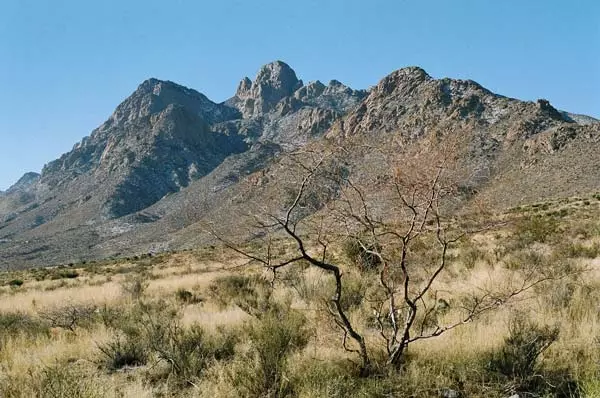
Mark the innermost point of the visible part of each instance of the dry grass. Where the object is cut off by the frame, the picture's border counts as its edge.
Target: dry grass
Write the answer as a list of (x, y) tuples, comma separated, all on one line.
[(485, 261)]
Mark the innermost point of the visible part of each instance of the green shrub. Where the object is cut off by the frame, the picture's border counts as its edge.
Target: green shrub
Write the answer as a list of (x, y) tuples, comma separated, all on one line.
[(189, 351), (64, 274), (154, 328), (187, 297), (15, 282), (470, 254), (263, 371), (309, 289), (354, 289), (361, 255), (61, 381), (69, 317), (578, 250), (252, 294), (535, 229), (526, 341), (123, 351), (336, 379), (526, 259), (16, 323), (56, 381)]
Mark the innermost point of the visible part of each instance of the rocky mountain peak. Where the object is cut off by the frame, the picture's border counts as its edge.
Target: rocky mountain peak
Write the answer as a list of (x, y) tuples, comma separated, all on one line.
[(273, 82), (244, 87), (154, 95), (24, 182), (547, 109), (404, 80), (279, 77), (310, 91)]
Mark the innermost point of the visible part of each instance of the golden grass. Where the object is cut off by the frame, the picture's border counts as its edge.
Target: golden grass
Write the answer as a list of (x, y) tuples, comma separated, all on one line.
[(31, 301), (579, 320)]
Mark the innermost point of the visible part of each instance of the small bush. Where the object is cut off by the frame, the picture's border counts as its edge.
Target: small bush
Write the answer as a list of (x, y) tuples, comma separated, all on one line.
[(69, 317), (470, 254), (362, 255), (60, 381), (134, 286), (336, 379), (577, 250), (252, 294), (187, 297), (535, 229), (15, 283), (64, 274), (526, 341), (153, 329), (15, 323), (308, 282), (263, 371), (188, 351), (56, 381), (123, 351)]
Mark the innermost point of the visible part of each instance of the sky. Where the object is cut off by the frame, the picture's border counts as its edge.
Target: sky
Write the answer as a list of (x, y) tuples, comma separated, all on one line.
[(66, 64)]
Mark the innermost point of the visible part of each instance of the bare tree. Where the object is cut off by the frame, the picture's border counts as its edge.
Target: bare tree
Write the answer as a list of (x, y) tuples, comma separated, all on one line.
[(68, 317), (395, 217)]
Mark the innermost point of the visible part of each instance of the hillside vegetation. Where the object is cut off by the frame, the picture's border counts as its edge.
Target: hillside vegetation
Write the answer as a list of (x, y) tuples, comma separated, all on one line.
[(211, 323)]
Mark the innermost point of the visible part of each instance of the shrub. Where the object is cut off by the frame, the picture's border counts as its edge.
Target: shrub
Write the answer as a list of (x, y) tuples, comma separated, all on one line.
[(154, 328), (336, 379), (15, 283), (535, 229), (187, 297), (123, 351), (134, 286), (64, 274), (526, 341), (354, 290), (252, 294), (188, 351), (577, 250), (470, 254), (263, 371), (56, 381), (361, 255), (69, 317), (308, 283), (61, 381), (15, 323)]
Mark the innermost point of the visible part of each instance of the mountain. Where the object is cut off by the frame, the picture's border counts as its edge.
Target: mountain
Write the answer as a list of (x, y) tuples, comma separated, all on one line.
[(169, 159), (580, 119)]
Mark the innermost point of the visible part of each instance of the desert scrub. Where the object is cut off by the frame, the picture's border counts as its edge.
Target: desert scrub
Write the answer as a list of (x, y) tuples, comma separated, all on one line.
[(55, 381), (518, 361), (15, 323), (153, 330), (134, 285), (69, 317), (252, 294), (579, 250), (361, 255), (263, 370), (537, 228), (14, 283), (123, 351)]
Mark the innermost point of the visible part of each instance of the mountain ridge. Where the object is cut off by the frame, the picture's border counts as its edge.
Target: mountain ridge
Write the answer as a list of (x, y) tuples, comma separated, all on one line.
[(169, 158)]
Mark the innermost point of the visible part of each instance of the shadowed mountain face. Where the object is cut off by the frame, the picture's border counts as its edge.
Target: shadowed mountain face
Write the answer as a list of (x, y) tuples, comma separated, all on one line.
[(169, 158)]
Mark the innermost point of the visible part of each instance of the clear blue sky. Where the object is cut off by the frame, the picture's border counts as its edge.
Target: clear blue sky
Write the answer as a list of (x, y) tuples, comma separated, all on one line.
[(66, 64)]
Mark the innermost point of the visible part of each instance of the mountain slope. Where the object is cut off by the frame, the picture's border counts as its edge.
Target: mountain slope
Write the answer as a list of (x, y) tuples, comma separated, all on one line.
[(169, 160)]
